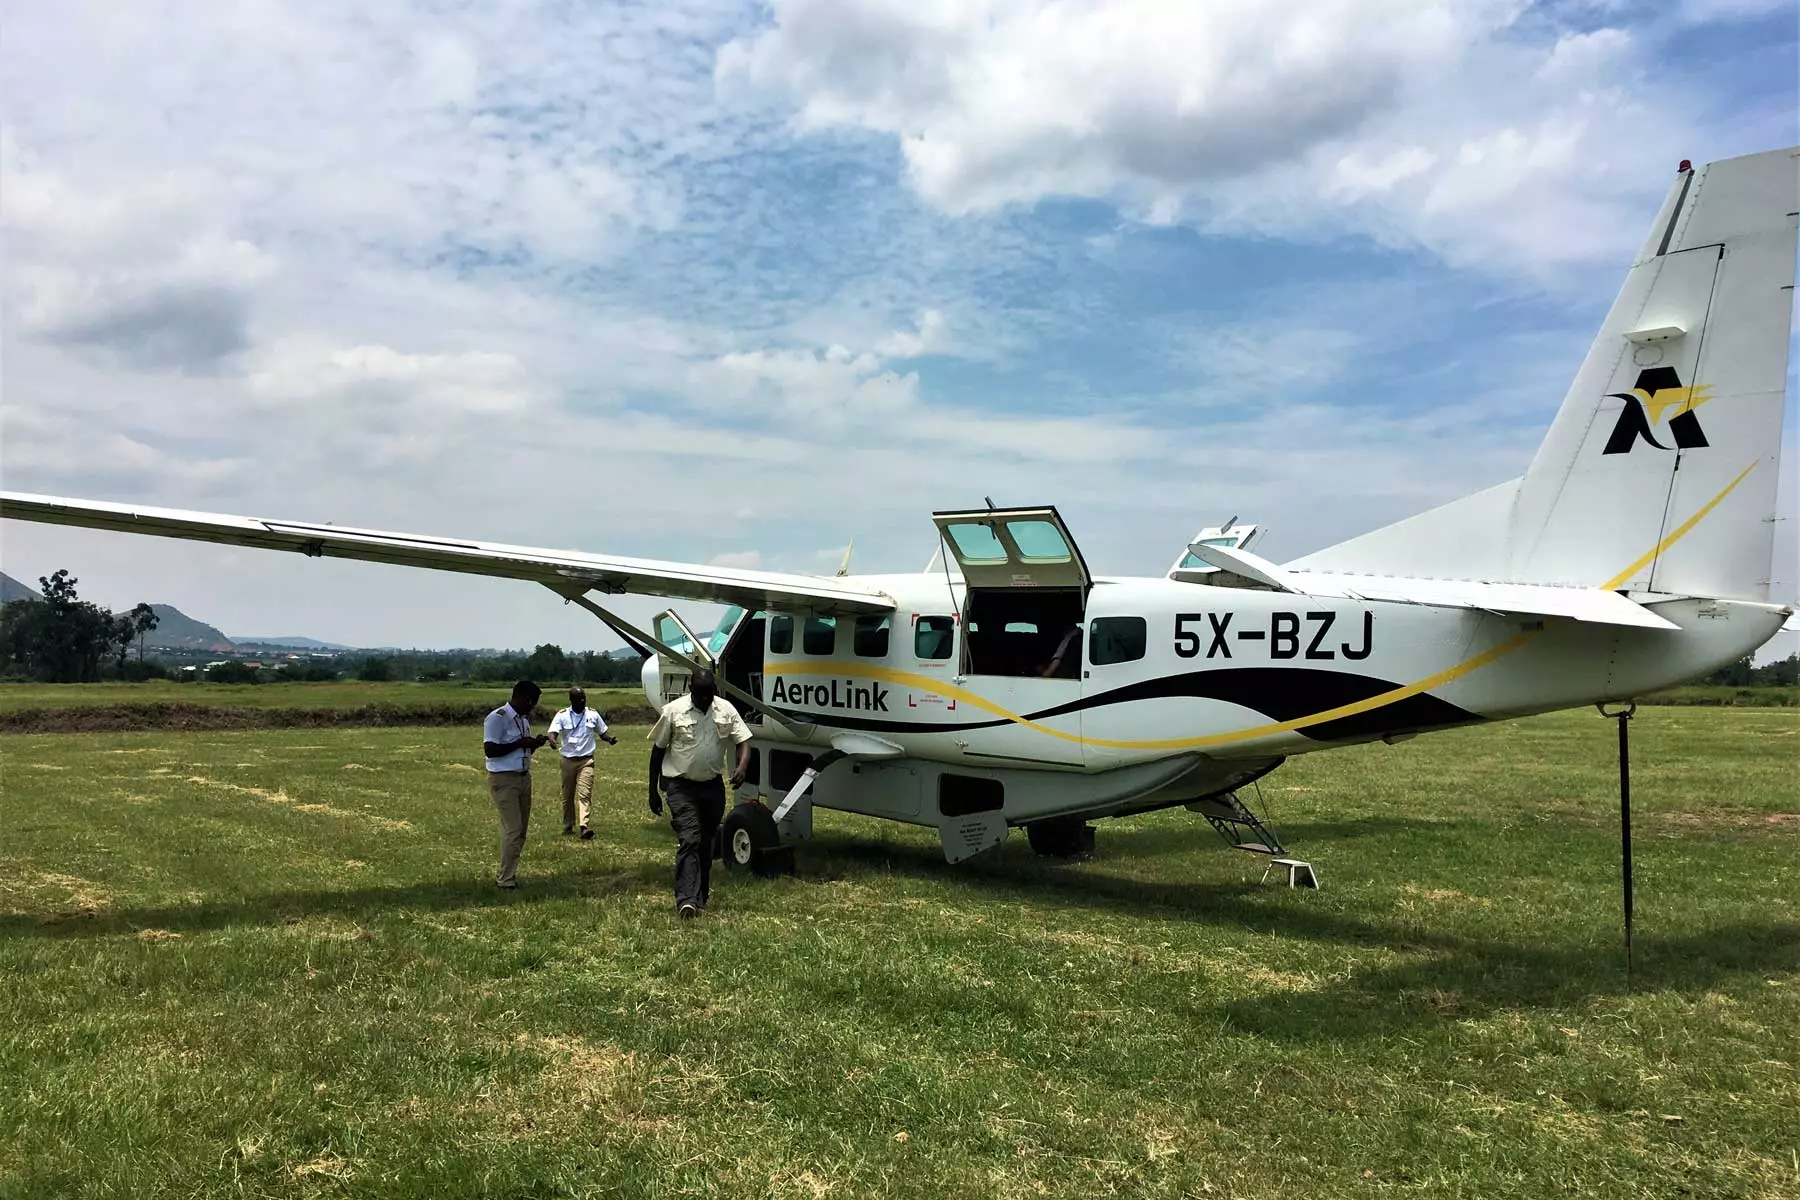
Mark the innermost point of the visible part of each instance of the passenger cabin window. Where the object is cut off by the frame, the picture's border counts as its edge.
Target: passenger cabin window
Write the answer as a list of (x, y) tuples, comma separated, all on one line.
[(781, 635), (819, 635), (933, 637), (1117, 640), (870, 639)]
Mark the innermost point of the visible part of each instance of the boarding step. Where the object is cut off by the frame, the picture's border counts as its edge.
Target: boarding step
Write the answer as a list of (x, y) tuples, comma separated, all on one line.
[(1240, 827)]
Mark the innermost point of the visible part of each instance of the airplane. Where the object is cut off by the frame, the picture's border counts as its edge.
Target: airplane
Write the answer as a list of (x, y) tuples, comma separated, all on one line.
[(1008, 686)]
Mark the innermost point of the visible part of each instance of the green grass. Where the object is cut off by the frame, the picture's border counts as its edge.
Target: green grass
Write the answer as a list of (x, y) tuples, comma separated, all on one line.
[(15, 697), (272, 964), (1720, 695)]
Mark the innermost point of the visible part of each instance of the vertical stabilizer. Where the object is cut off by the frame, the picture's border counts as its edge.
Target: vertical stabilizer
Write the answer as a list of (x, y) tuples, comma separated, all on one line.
[(1659, 472)]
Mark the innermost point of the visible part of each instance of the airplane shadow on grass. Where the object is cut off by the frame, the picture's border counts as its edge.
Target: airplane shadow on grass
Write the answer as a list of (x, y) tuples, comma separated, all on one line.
[(1444, 975)]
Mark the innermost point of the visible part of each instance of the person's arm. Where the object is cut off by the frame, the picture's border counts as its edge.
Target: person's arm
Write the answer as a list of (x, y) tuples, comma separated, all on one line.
[(659, 746), (740, 733), (600, 731), (494, 749), (656, 780), (555, 732)]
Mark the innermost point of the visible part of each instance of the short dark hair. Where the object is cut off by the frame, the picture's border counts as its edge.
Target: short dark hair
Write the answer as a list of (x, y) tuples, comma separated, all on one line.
[(704, 679), (527, 688)]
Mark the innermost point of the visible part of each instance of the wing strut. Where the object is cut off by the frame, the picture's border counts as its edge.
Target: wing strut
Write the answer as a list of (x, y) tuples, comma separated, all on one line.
[(576, 594)]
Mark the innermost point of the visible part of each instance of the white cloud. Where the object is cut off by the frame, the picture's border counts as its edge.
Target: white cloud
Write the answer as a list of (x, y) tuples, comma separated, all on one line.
[(428, 386), (1451, 126), (930, 337)]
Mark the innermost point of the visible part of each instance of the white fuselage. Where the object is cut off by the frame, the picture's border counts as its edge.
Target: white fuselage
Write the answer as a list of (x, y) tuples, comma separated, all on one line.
[(1223, 684)]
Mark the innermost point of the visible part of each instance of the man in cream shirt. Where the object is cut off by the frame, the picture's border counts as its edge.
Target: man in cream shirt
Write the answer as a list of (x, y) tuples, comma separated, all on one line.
[(574, 732), (686, 756)]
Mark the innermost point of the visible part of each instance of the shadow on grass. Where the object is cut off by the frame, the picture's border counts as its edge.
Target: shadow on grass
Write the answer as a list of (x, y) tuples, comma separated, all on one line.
[(276, 908), (1447, 974), (1152, 841)]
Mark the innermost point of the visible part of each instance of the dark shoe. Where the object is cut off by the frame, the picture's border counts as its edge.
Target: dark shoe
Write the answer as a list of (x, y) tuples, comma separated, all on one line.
[(507, 884), (587, 835), (687, 912), (568, 830)]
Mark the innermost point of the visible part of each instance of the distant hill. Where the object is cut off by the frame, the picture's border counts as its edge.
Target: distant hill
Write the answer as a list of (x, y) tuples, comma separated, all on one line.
[(290, 643), (175, 630), (11, 590)]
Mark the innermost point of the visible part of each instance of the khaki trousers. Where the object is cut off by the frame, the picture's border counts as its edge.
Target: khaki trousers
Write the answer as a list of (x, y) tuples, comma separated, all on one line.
[(512, 797), (578, 789)]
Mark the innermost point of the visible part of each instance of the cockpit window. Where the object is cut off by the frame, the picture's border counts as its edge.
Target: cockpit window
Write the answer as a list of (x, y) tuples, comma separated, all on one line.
[(670, 633)]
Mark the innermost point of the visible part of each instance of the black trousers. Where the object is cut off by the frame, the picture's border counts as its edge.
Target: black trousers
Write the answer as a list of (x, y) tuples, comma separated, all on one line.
[(696, 806)]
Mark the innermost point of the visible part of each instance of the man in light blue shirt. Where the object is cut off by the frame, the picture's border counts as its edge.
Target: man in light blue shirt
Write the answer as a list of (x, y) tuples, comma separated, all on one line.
[(507, 742)]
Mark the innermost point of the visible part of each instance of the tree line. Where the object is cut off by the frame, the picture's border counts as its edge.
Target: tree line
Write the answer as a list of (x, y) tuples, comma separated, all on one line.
[(62, 638)]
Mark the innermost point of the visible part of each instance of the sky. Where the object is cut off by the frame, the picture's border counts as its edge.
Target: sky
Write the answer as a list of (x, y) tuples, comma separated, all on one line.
[(741, 283)]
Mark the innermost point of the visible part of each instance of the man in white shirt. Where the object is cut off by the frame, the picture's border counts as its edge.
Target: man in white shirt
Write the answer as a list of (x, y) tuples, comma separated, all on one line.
[(573, 732), (507, 742), (686, 756)]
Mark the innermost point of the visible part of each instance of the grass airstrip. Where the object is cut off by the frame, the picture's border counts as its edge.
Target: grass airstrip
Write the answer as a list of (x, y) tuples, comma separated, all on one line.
[(271, 962)]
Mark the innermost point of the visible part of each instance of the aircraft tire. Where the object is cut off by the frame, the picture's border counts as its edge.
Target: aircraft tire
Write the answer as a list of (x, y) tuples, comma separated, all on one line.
[(1062, 837), (746, 836)]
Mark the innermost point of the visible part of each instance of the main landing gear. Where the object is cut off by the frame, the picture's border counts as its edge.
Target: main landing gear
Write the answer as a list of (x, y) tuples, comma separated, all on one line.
[(749, 841)]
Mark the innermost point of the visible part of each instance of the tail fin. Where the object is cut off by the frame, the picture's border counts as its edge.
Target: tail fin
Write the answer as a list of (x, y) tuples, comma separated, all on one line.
[(1659, 472)]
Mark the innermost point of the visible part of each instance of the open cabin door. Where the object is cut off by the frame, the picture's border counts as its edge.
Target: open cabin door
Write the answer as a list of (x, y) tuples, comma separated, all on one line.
[(672, 632), (1024, 598)]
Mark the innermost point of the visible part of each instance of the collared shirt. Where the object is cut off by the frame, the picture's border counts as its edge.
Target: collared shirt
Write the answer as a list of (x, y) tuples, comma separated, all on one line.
[(695, 739), (504, 725), (579, 731)]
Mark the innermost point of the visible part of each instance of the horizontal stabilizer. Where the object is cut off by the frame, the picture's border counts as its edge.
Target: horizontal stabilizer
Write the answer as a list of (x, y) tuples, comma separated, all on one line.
[(1513, 599), (1522, 599)]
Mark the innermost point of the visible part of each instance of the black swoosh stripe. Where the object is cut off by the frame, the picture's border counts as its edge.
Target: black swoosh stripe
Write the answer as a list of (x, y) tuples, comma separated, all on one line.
[(1279, 693)]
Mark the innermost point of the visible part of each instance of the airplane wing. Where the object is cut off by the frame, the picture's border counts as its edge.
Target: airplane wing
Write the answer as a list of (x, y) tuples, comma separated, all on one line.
[(558, 568)]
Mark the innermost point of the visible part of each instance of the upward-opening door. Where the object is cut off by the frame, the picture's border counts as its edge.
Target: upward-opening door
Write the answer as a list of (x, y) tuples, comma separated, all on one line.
[(673, 633), (1024, 598)]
